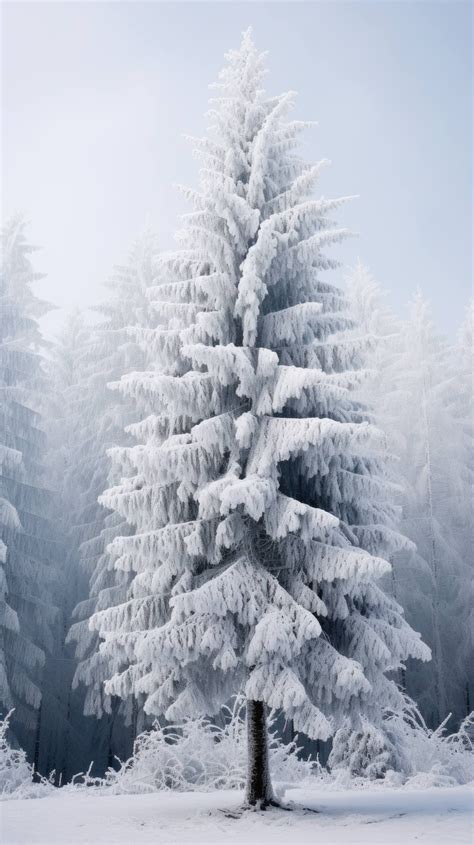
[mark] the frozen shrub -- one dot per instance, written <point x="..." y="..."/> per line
<point x="406" y="752"/>
<point x="16" y="773"/>
<point x="366" y="753"/>
<point x="432" y="757"/>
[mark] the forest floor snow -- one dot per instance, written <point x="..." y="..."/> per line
<point x="352" y="817"/>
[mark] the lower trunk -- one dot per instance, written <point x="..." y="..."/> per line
<point x="259" y="788"/>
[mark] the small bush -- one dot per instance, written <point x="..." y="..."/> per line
<point x="432" y="758"/>
<point x="404" y="752"/>
<point x="16" y="774"/>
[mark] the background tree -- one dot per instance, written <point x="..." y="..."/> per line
<point x="419" y="388"/>
<point x="30" y="563"/>
<point x="70" y="367"/>
<point x="435" y="517"/>
<point x="91" y="419"/>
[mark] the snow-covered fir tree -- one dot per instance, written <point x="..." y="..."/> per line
<point x="435" y="514"/>
<point x="257" y="488"/>
<point x="375" y="324"/>
<point x="30" y="564"/>
<point x="464" y="529"/>
<point x="91" y="419"/>
<point x="420" y="390"/>
<point x="382" y="332"/>
<point x="463" y="411"/>
<point x="70" y="368"/>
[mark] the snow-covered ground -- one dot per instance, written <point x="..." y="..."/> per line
<point x="368" y="817"/>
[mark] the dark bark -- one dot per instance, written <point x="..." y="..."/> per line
<point x="259" y="791"/>
<point x="36" y="775"/>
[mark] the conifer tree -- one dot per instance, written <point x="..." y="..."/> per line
<point x="463" y="412"/>
<point x="70" y="366"/>
<point x="257" y="488"/>
<point x="436" y="489"/>
<point x="420" y="389"/>
<point x="29" y="557"/>
<point x="88" y="358"/>
<point x="382" y="332"/>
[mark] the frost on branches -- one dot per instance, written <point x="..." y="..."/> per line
<point x="256" y="490"/>
<point x="28" y="553"/>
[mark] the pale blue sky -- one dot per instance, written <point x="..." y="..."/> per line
<point x="96" y="97"/>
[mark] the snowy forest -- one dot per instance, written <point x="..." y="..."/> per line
<point x="235" y="502"/>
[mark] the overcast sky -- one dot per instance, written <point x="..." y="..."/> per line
<point x="97" y="96"/>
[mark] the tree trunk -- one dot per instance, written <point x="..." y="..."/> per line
<point x="259" y="791"/>
<point x="36" y="757"/>
<point x="134" y="725"/>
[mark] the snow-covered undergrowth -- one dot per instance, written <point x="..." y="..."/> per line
<point x="200" y="756"/>
<point x="16" y="773"/>
<point x="433" y="758"/>
<point x="406" y="753"/>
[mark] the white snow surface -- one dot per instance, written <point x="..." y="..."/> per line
<point x="374" y="815"/>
